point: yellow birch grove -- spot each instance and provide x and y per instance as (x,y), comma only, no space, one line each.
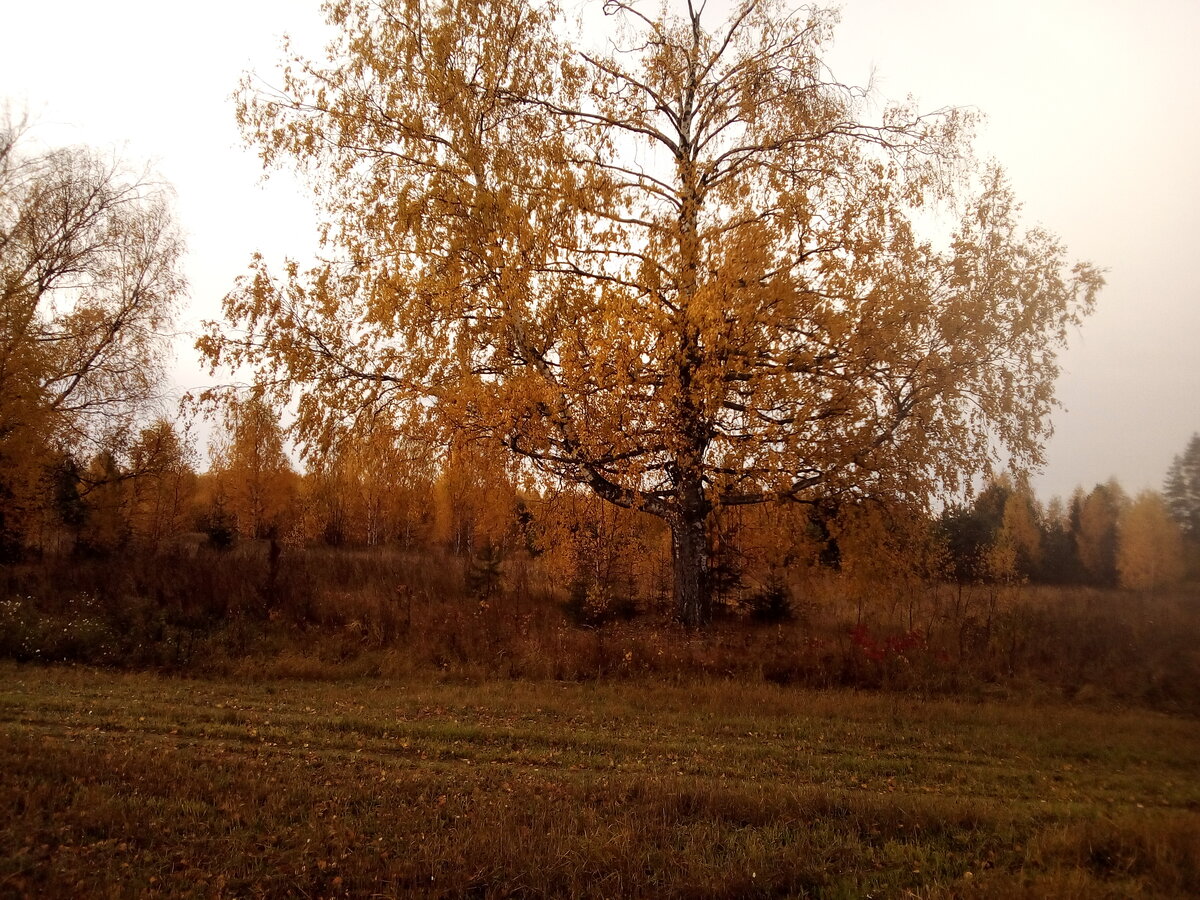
(681,266)
(474,502)
(370,491)
(162,465)
(607,557)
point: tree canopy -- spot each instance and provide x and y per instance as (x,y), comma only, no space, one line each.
(1150,553)
(684,266)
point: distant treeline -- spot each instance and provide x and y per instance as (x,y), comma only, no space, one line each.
(148,496)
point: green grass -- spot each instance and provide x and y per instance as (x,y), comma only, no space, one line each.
(131,785)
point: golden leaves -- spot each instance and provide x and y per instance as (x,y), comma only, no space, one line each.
(689,265)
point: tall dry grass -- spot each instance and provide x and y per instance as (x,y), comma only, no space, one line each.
(324,613)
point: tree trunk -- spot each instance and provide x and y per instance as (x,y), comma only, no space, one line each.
(689,558)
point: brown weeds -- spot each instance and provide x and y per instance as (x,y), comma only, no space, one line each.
(330,613)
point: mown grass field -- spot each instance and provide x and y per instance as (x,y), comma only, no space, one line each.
(135,784)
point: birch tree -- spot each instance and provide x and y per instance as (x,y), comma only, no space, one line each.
(682,266)
(89,282)
(254,475)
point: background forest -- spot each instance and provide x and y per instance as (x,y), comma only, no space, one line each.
(395,557)
(600,344)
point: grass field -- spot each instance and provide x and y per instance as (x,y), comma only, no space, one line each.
(134,784)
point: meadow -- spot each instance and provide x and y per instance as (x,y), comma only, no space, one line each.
(139,784)
(374,724)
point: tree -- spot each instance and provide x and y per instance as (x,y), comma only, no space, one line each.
(1182,490)
(164,479)
(256,483)
(371,490)
(683,270)
(969,530)
(1095,520)
(88,283)
(1016,549)
(1060,564)
(473,500)
(889,549)
(1149,552)
(606,556)
(105,490)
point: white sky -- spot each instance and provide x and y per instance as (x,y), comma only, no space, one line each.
(1093,106)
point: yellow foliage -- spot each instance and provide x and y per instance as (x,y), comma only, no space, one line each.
(371,490)
(163,484)
(1016,551)
(1150,552)
(474,501)
(254,481)
(1096,531)
(608,559)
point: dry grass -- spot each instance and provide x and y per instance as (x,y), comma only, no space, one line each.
(138,785)
(337,613)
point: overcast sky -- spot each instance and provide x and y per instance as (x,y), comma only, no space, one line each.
(1093,106)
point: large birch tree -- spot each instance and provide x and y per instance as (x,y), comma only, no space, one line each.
(89,284)
(682,266)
